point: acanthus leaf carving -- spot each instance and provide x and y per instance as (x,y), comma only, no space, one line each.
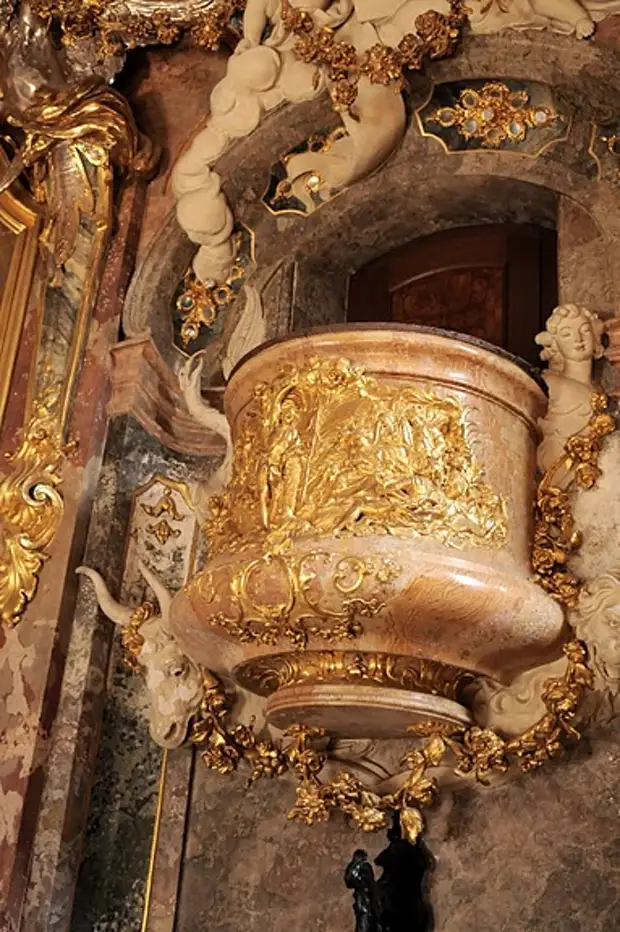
(31,507)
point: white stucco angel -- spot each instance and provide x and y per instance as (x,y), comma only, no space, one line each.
(572,339)
(564,16)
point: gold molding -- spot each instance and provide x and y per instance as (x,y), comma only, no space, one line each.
(265,675)
(159,811)
(23,222)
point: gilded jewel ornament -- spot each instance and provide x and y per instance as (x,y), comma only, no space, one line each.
(494,114)
(199,303)
(31,507)
(436,36)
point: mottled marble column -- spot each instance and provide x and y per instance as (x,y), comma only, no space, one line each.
(37,802)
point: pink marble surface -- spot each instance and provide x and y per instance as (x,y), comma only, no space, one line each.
(32,653)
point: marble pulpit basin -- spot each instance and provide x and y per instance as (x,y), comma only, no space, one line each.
(372,550)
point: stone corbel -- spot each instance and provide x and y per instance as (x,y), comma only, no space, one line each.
(144,386)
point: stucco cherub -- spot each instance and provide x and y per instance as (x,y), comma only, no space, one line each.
(571,341)
(565,16)
(377,122)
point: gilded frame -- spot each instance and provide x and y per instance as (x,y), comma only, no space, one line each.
(19,219)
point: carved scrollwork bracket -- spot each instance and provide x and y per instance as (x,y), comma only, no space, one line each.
(31,507)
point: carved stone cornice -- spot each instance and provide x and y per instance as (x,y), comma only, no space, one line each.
(144,386)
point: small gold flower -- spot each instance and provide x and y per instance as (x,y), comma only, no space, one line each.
(310,806)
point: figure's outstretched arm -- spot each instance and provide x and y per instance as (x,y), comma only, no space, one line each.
(571,12)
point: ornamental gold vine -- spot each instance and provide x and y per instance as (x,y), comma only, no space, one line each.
(436,35)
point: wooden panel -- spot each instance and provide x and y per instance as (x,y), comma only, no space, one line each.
(467,300)
(495,282)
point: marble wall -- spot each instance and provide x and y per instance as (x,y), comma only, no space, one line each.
(539,854)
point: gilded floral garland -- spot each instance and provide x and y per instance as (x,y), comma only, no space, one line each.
(556,536)
(115,28)
(436,35)
(223,750)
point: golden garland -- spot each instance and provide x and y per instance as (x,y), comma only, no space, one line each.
(555,535)
(223,750)
(116,30)
(435,37)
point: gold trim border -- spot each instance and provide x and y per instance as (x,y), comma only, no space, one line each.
(18,218)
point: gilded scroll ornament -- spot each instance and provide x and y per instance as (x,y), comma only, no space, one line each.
(494,114)
(324,450)
(318,595)
(72,139)
(31,507)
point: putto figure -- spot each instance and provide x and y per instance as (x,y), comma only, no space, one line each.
(571,341)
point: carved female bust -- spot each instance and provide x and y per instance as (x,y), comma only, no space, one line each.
(572,339)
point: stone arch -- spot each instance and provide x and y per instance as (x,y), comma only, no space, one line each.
(303,263)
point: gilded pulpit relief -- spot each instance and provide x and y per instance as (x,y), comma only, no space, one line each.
(284,487)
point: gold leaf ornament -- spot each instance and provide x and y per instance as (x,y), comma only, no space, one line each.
(412,824)
(31,507)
